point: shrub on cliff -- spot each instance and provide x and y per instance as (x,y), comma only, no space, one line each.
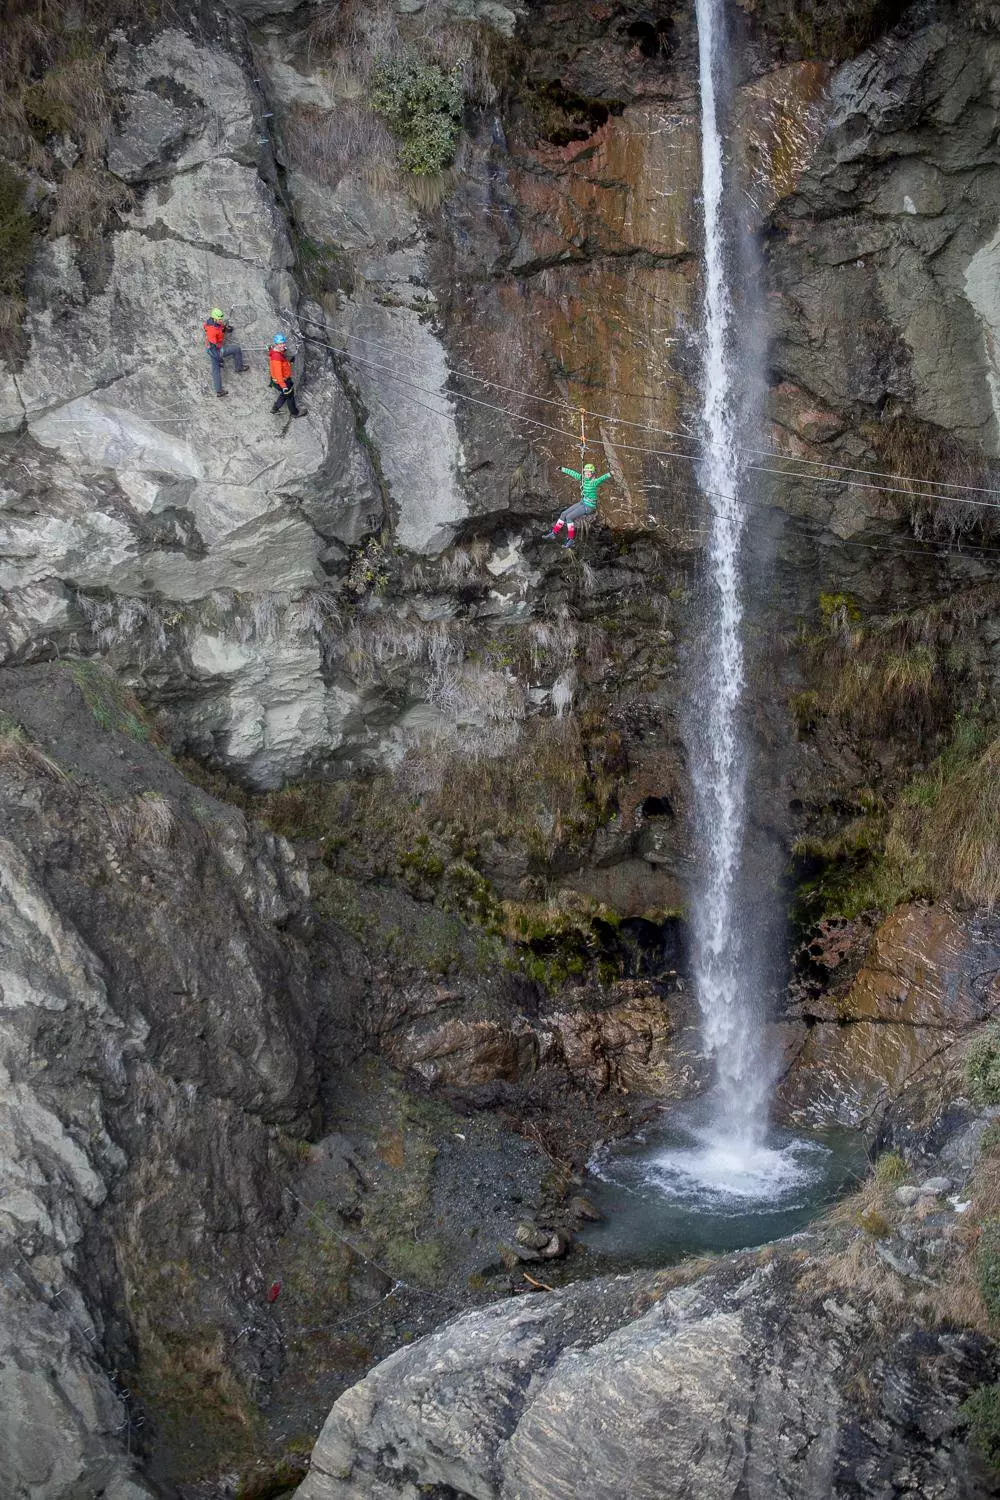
(981,1414)
(423,107)
(834,29)
(982,1070)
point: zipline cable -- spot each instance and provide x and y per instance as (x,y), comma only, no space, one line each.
(647,452)
(928,549)
(772,453)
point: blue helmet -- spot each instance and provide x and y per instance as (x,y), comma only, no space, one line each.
(279,338)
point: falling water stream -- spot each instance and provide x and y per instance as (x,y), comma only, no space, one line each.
(721,968)
(722,1158)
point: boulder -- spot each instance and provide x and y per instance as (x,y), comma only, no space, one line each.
(737,1384)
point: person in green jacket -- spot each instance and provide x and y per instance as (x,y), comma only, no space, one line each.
(590,481)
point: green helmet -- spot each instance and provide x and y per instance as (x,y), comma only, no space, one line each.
(217,313)
(589,469)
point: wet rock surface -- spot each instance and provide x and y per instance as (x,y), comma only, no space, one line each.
(928,977)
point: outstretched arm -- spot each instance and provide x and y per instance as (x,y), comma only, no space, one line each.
(572,473)
(602,478)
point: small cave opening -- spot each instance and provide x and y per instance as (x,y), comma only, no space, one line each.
(651,949)
(657,807)
(563,116)
(652,37)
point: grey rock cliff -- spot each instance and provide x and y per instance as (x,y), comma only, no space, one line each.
(159,494)
(737,1384)
(155,1030)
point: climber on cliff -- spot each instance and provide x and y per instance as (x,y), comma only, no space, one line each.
(216,329)
(280,364)
(590,481)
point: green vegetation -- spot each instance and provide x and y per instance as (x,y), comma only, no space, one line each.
(431,828)
(54,93)
(115,708)
(17,240)
(939,838)
(881,691)
(423,107)
(982,1070)
(829,29)
(18,748)
(874,1223)
(269,1481)
(917,682)
(838,611)
(988,1267)
(905,675)
(571,938)
(322,267)
(981,1414)
(369,570)
(890,1169)
(908,447)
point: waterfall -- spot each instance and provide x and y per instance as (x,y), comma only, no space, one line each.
(723,975)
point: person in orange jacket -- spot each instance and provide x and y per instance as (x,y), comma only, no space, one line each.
(280,364)
(216,328)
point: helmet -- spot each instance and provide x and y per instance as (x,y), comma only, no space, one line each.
(279,338)
(589,469)
(217,313)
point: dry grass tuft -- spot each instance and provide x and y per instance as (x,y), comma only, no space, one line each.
(143,822)
(54,97)
(882,691)
(963,830)
(18,749)
(922,455)
(326,145)
(369,42)
(88,196)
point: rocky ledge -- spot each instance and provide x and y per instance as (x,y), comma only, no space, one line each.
(832,1364)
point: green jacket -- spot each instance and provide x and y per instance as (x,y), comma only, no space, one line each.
(588,487)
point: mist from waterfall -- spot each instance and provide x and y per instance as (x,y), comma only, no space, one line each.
(726,985)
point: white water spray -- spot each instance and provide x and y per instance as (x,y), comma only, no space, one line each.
(722,965)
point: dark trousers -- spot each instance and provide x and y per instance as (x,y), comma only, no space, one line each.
(577,512)
(216,356)
(286,398)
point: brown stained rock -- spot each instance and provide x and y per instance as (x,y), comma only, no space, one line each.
(627,1046)
(921,971)
(609,189)
(463,1053)
(927,978)
(782,120)
(606,280)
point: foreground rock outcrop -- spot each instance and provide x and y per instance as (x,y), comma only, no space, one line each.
(790,1373)
(156,1033)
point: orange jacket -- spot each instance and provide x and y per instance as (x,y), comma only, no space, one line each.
(280,366)
(215,333)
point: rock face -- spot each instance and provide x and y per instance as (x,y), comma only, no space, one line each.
(154,1033)
(631,1044)
(156,492)
(929,976)
(738,1383)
